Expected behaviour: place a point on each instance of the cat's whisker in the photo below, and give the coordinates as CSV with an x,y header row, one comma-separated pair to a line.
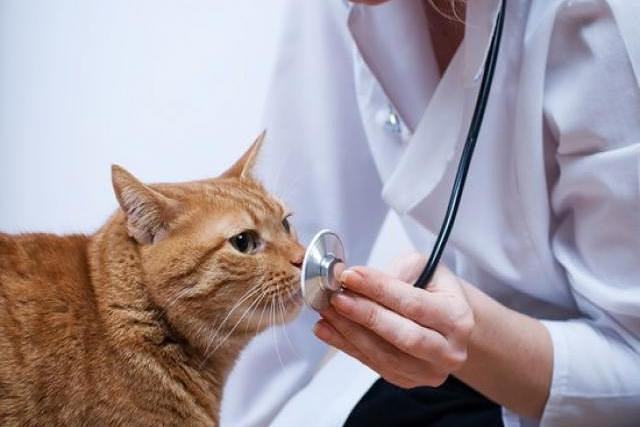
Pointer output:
x,y
260,320
273,329
261,315
280,306
243,299
226,337
207,353
284,324
253,311
248,294
246,329
178,296
253,304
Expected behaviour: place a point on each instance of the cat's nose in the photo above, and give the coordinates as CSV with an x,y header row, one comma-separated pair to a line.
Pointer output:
x,y
297,261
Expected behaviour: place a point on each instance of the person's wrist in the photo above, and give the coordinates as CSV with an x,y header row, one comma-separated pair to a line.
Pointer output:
x,y
476,305
507,351
484,336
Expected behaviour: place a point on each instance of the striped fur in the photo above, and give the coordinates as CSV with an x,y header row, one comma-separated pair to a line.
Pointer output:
x,y
140,323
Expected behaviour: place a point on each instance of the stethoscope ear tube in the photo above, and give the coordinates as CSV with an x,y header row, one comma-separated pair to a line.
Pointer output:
x,y
465,159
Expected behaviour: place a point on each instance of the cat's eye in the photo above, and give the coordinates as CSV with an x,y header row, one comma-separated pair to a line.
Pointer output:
x,y
286,224
245,242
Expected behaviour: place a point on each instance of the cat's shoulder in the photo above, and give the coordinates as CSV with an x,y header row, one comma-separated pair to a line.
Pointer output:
x,y
10,250
16,249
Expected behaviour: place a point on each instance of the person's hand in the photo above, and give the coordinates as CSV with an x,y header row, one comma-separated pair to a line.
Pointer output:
x,y
411,337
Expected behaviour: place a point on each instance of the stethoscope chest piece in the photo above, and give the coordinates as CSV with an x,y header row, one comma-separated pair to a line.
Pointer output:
x,y
318,279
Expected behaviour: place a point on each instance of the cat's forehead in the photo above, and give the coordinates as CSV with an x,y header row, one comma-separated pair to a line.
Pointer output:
x,y
241,197
223,209
229,195
247,194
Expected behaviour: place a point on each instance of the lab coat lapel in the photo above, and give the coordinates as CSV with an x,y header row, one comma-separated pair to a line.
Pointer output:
x,y
393,40
431,147
479,25
626,14
440,133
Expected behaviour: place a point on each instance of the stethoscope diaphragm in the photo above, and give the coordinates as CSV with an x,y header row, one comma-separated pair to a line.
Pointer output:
x,y
319,273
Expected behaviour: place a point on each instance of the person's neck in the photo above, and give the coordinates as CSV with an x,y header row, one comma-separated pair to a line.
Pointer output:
x,y
446,27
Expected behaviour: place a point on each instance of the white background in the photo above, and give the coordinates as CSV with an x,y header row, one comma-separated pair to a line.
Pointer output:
x,y
172,90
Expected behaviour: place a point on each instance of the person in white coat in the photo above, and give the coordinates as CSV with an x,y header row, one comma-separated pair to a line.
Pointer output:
x,y
538,307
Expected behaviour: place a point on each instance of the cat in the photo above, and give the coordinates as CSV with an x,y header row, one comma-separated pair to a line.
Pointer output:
x,y
141,322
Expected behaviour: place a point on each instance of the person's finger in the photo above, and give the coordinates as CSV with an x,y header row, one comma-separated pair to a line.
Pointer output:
x,y
381,356
434,310
404,334
327,333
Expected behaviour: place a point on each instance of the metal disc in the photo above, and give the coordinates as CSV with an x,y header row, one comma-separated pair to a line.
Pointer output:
x,y
317,279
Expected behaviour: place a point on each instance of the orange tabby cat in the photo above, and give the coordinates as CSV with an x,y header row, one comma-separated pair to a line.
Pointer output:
x,y
140,323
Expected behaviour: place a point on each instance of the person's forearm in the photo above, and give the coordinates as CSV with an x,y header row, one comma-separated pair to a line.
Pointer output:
x,y
510,356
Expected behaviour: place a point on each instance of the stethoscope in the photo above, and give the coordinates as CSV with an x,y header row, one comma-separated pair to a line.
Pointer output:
x,y
325,255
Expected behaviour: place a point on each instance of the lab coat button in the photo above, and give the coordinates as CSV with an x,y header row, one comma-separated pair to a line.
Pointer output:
x,y
392,124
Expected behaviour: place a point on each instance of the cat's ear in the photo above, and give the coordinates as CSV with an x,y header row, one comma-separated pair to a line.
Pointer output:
x,y
148,212
243,168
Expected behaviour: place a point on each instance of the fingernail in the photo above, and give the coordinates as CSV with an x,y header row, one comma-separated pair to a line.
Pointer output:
x,y
321,331
338,269
342,300
326,313
350,276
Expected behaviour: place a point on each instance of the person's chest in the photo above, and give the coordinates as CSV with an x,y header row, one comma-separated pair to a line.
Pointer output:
x,y
504,220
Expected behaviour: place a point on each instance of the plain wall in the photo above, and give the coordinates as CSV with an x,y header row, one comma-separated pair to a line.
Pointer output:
x,y
172,90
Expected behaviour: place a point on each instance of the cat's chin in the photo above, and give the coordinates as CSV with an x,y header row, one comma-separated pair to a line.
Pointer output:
x,y
279,313
293,304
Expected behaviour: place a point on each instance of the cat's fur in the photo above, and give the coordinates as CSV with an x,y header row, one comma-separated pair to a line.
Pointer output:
x,y
134,325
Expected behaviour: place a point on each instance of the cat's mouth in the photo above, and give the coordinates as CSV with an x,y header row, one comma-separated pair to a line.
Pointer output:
x,y
291,304
278,309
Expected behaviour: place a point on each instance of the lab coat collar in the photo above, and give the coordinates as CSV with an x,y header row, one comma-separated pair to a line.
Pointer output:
x,y
393,41
433,144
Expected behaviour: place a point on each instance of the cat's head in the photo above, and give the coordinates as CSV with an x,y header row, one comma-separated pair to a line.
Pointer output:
x,y
219,256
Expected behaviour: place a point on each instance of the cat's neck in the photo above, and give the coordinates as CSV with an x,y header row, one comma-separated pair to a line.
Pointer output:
x,y
138,330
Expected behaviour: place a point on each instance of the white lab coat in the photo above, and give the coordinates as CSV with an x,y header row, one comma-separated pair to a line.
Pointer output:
x,y
360,121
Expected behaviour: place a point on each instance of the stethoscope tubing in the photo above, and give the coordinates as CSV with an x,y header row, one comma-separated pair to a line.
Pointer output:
x,y
467,153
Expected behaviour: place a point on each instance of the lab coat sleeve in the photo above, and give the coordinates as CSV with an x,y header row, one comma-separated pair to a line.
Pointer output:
x,y
592,106
317,160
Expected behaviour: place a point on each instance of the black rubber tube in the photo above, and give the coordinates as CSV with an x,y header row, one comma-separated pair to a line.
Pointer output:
x,y
467,153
